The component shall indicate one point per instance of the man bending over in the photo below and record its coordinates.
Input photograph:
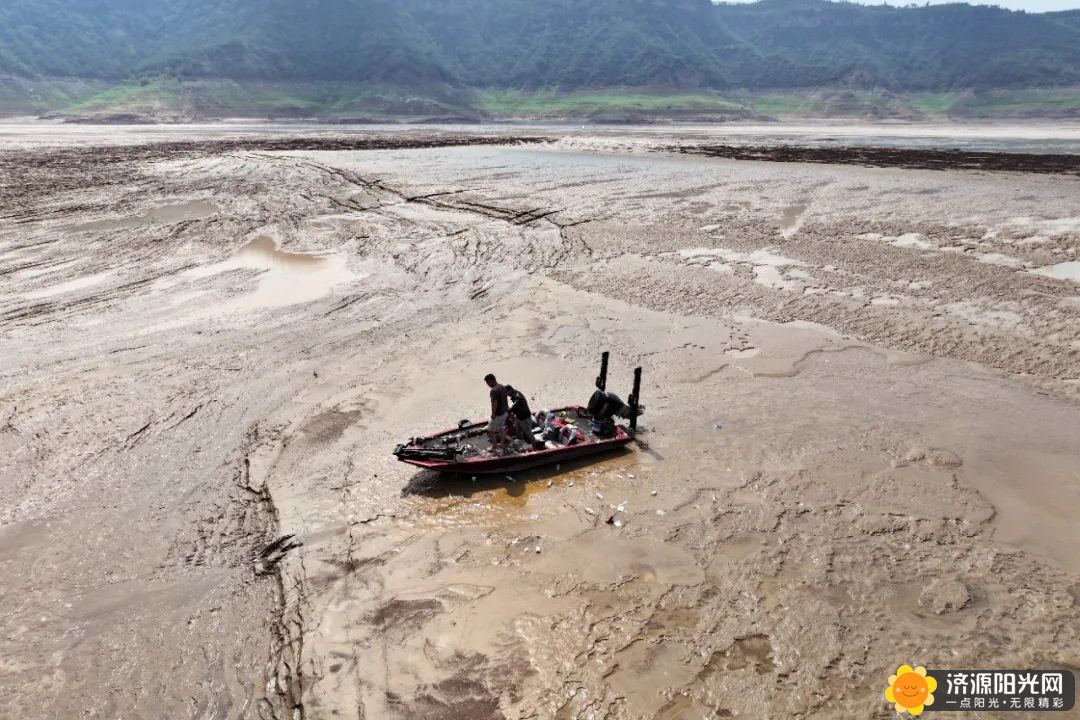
(499, 408)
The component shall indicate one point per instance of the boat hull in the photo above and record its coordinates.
(491, 465)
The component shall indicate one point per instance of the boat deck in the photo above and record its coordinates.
(474, 440)
(467, 449)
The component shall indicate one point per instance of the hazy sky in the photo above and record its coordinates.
(1029, 5)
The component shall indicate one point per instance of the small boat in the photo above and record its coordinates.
(464, 449)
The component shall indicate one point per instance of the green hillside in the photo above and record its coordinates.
(502, 57)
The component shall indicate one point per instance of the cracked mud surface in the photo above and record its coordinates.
(862, 389)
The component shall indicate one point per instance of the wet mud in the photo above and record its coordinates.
(914, 158)
(860, 449)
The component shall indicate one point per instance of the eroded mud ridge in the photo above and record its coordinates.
(860, 447)
(915, 158)
(26, 174)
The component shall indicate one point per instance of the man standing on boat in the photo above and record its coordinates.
(522, 416)
(499, 410)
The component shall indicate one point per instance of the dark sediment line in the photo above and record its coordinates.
(28, 173)
(374, 141)
(397, 141)
(914, 158)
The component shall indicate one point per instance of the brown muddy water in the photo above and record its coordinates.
(194, 210)
(860, 448)
(284, 278)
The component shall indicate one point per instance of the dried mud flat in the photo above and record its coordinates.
(862, 390)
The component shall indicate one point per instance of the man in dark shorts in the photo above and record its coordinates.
(499, 410)
(522, 415)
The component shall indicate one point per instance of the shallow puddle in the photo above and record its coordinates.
(792, 219)
(165, 214)
(501, 499)
(994, 258)
(1062, 271)
(287, 278)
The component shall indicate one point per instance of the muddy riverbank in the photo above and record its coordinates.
(860, 449)
(912, 158)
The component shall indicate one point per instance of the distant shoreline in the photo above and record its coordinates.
(168, 101)
(658, 121)
(866, 155)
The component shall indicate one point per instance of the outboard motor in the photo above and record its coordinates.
(597, 403)
(604, 406)
(616, 407)
(607, 404)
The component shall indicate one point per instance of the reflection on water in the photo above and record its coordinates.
(455, 500)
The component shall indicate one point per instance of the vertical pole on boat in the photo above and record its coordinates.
(601, 382)
(634, 400)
